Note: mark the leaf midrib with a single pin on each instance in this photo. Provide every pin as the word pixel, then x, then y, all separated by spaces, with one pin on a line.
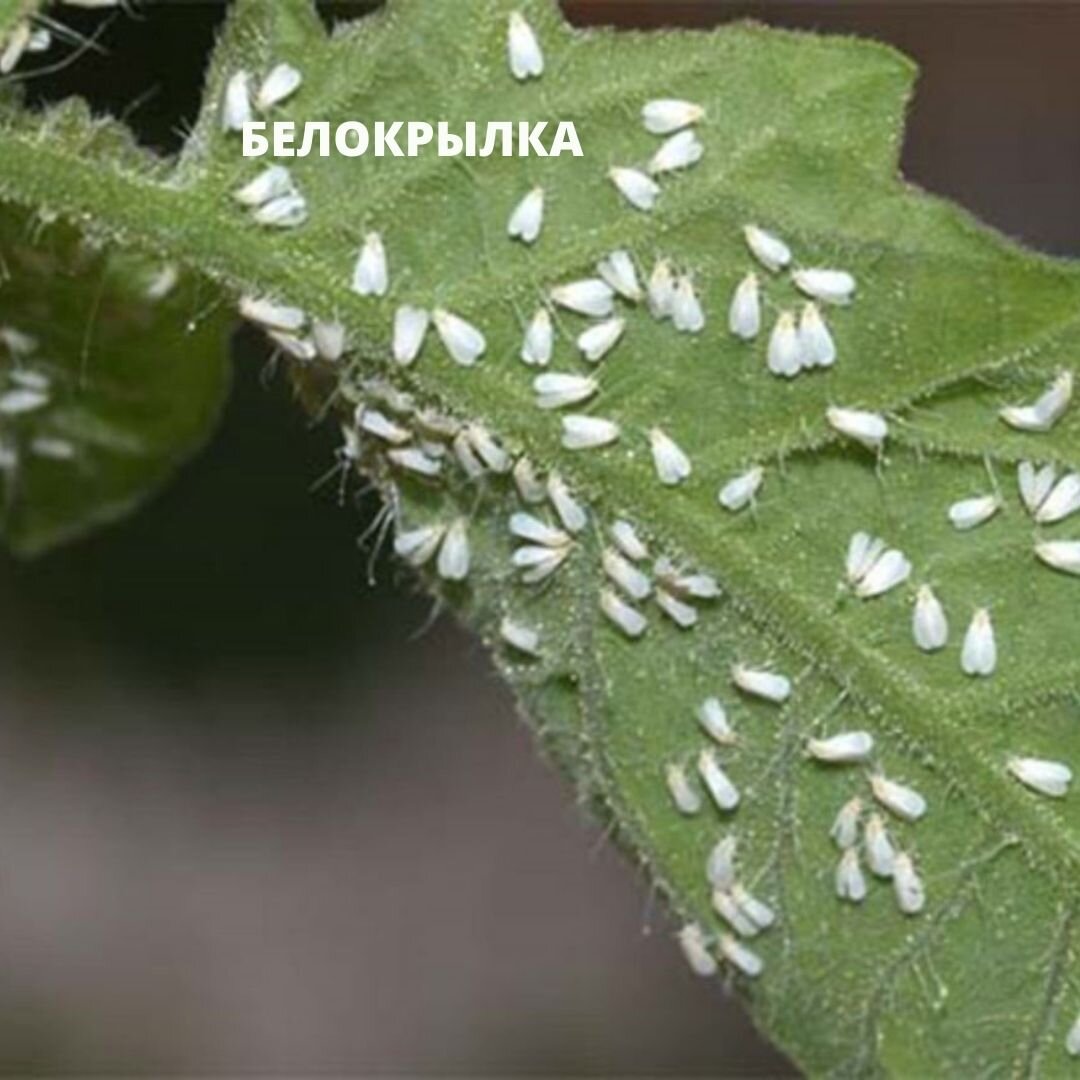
pixel 253 253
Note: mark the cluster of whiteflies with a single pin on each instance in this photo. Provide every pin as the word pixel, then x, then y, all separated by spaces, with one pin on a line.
pixel 795 345
pixel 873 569
pixel 743 914
pixel 759 683
pixel 274 200
pixel 289 329
pixel 421 442
pixel 242 100
pixel 617 279
pixel 27 390
pixel 870 841
pixel 799 343
pixel 675 120
pixel 387 431
pixel 550 525
pixel 675 591
pixel 418 442
pixel 741 911
pixel 272 197
pixel 1050 500
pixel 670 294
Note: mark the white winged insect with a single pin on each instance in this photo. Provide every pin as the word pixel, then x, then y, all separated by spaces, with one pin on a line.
pixel 528 217
pixel 524 54
pixel 872 568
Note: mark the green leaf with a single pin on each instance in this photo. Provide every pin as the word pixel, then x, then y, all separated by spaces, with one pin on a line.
pixel 130 386
pixel 950 323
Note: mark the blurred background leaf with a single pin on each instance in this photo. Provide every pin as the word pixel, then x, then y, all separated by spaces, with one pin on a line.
pixel 131 367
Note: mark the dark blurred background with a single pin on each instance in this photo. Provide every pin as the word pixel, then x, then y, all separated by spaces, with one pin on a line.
pixel 250 822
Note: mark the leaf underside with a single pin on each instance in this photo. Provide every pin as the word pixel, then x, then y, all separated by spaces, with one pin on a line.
pixel 950 323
